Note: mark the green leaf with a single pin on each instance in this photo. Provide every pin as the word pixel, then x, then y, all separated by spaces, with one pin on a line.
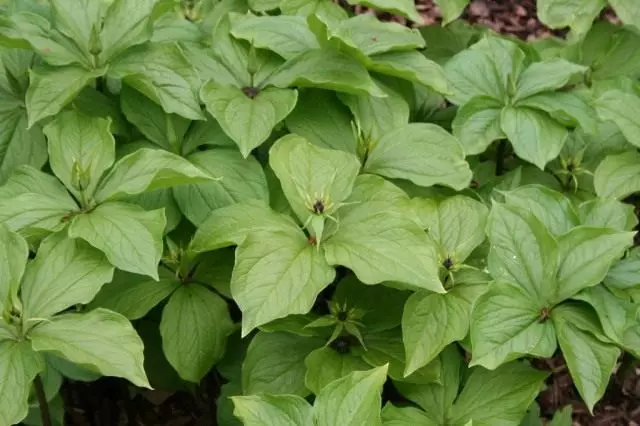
pixel 477 124
pixel 497 397
pixel 241 179
pixel 132 295
pixel 194 328
pixel 433 321
pixel 275 364
pixel 100 339
pixel 535 136
pixel 78 20
pixel 14 253
pixel 627 11
pixel 572 109
pixel 130 237
pixel 423 153
pixel 325 365
pixel 590 361
pixel 51 89
pixel 248 121
pixel 19 145
pixel 547 75
pixel 577 14
pixel 146 170
pixel 404 8
pixel 607 213
pixel 615 314
pixel 19 365
pixel 471 73
pixel 326 69
pixel 405 416
pixel 622 109
pixel 265 410
pixel 451 9
pixel 412 66
pixel 277 273
pixel 323 120
pixel 585 255
pixel 205 133
pixel 618 176
pixel 325 10
pixel 506 324
pixel 162 73
pixel 81 149
pixel 309 174
pixel 522 251
pixel 624 273
pixel 352 400
pixel 65 272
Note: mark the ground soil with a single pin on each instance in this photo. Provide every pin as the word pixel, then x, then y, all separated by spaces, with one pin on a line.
pixel 109 402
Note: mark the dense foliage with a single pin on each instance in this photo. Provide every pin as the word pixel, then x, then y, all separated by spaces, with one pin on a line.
pixel 316 207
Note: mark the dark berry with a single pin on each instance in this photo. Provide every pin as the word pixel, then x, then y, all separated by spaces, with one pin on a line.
pixel 251 92
pixel 448 263
pixel 318 207
pixel 341 345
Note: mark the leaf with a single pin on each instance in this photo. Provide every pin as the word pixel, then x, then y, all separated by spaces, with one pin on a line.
pixel 506 324
pixel 19 144
pixel 433 321
pixel 277 274
pixel 547 75
pixel 471 74
pixel 451 9
pixel 81 149
pixel 78 20
pixel 618 176
pixel 130 237
pixel 412 66
pixel 590 361
pixel 607 213
pixel 320 118
pixel 288 36
pixel 14 253
pixel 326 69
pixel 275 364
pixel 627 11
pixel 162 73
pixel 309 174
pixel 325 10
pixel 132 295
pixel 325 365
pixel 497 397
pixel 572 109
pixel 585 255
pixel 621 108
pixel 194 328
pixel 146 170
pixel 65 272
pixel 405 416
pixel 51 89
pixel 265 409
pixel 522 251
pixel 248 121
pixel 624 273
pixel 577 14
pixel 535 136
pixel 100 339
pixel 19 365
pixel 477 124
pixel 352 400
pixel 404 8
pixel 423 153
pixel 241 179
pixel 615 314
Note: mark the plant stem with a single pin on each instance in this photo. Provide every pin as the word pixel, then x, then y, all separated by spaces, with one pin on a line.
pixel 502 147
pixel 42 402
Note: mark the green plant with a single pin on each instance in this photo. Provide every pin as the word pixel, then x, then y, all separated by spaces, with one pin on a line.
pixel 351 221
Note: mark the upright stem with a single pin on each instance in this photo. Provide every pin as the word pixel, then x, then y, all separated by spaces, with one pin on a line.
pixel 502 147
pixel 42 402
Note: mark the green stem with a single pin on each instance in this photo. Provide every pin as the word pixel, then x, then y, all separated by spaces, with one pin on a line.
pixel 42 402
pixel 500 152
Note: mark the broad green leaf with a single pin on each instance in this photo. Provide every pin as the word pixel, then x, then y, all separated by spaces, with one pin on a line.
pixel 326 69
pixel 97 104
pixel 547 75
pixel 78 20
pixel 277 273
pixel 577 14
pixel 590 361
pixel 506 324
pixel 615 314
pixel 328 11
pixel 130 237
pixel 14 253
pixel 65 272
pixel 247 119
pixel 162 73
pixel 322 119
pixel 433 321
pixel 325 365
pixel 194 328
pixel 471 73
pixel 146 170
pixel 19 365
pixel 535 136
pixel 412 66
pixel 205 133
pixel 607 213
pixel 477 124
pixel 267 410
pixel 275 364
pixel 451 9
pixel 507 57
pixel 423 153
pixel 625 273
pixel 585 255
pixel 497 397
pixel 241 179
pixel 160 198
pixel 618 176
pixel 627 11
pixel 404 8
pixel 622 109
pixel 81 149
pixel 288 36
pixel 610 50
pixel 18 144
pixel 572 109
pixel 353 400
pixel 208 65
pixel 51 89
pixel 135 295
pixel 309 174
pixel 405 416
pixel 101 339
pixel 522 251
